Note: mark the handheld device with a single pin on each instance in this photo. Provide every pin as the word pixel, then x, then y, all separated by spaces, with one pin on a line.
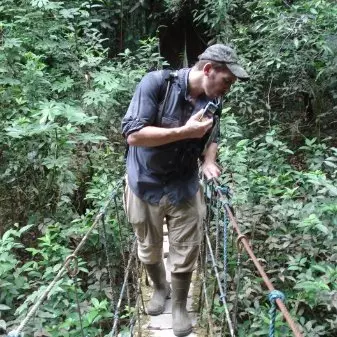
pixel 209 111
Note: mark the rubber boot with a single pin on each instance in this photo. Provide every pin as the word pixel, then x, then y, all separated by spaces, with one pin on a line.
pixel 181 323
pixel 161 288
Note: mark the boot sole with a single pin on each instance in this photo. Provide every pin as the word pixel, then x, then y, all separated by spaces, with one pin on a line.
pixel 159 312
pixel 155 313
pixel 182 333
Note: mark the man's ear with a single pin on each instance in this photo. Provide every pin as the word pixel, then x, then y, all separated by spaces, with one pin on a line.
pixel 207 68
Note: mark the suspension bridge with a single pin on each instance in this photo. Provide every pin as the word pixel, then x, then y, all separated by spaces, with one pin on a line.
pixel 209 289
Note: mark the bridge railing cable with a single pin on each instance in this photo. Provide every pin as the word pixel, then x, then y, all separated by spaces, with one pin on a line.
pixel 66 265
pixel 207 253
pixel 124 286
pixel 224 195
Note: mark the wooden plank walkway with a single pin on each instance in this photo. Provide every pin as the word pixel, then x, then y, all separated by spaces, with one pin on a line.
pixel 161 325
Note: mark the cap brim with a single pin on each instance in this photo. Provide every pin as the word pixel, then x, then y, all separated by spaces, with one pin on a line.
pixel 238 71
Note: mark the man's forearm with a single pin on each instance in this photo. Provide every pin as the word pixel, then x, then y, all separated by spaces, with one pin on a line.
pixel 155 136
pixel 211 152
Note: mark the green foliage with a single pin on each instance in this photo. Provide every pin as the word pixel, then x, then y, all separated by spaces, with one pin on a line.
pixel 61 154
pixel 62 95
pixel 12 279
pixel 23 283
pixel 62 104
pixel 290 217
pixel 215 16
pixel 279 153
pixel 289 49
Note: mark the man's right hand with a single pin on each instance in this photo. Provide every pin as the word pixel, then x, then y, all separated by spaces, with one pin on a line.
pixel 155 136
pixel 194 128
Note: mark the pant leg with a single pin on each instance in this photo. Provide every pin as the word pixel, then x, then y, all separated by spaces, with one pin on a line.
pixel 185 233
pixel 147 222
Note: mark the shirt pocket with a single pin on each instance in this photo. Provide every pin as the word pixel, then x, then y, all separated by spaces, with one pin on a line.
pixel 168 122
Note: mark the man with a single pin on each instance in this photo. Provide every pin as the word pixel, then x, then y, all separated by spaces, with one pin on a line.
pixel 162 170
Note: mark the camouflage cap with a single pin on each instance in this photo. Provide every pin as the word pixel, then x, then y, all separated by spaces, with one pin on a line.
pixel 225 54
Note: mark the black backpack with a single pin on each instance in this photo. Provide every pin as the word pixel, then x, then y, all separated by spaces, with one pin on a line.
pixel 165 89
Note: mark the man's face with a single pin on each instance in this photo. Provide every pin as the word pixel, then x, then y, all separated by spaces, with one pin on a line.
pixel 218 82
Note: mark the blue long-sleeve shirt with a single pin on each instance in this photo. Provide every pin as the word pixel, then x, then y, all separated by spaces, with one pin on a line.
pixel 169 169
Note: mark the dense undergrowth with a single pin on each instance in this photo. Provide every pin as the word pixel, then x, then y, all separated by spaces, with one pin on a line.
pixel 62 96
pixel 290 216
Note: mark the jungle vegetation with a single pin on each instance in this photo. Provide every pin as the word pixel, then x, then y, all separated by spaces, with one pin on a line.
pixel 67 73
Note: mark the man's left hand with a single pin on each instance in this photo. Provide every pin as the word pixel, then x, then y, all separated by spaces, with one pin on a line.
pixel 210 169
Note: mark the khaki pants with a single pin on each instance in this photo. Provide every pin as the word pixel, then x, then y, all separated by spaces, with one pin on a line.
pixel 184 223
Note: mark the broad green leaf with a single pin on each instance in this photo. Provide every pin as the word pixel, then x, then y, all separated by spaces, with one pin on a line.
pixel 4 307
pixel 95 302
pixel 296 42
pixel 90 137
pixel 39 3
pixel 329 163
pixel 25 228
pixel 3 325
pixel 322 228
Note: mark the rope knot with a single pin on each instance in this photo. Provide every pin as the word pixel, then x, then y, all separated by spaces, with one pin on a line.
pixel 274 295
pixel 223 298
pixel 224 190
pixel 72 270
pixel 225 196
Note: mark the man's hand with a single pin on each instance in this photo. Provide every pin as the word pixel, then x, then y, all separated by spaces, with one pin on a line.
pixel 210 169
pixel 194 128
pixel 155 136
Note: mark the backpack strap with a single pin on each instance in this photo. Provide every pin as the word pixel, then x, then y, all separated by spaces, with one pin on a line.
pixel 168 77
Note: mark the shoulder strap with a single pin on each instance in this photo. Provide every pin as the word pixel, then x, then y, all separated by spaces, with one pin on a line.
pixel 168 78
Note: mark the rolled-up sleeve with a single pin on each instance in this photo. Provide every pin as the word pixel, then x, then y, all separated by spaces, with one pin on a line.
pixel 144 105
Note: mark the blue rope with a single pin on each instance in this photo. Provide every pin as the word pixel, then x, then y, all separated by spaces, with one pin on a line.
pixel 225 225
pixel 273 296
pixel 225 191
pixel 226 195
